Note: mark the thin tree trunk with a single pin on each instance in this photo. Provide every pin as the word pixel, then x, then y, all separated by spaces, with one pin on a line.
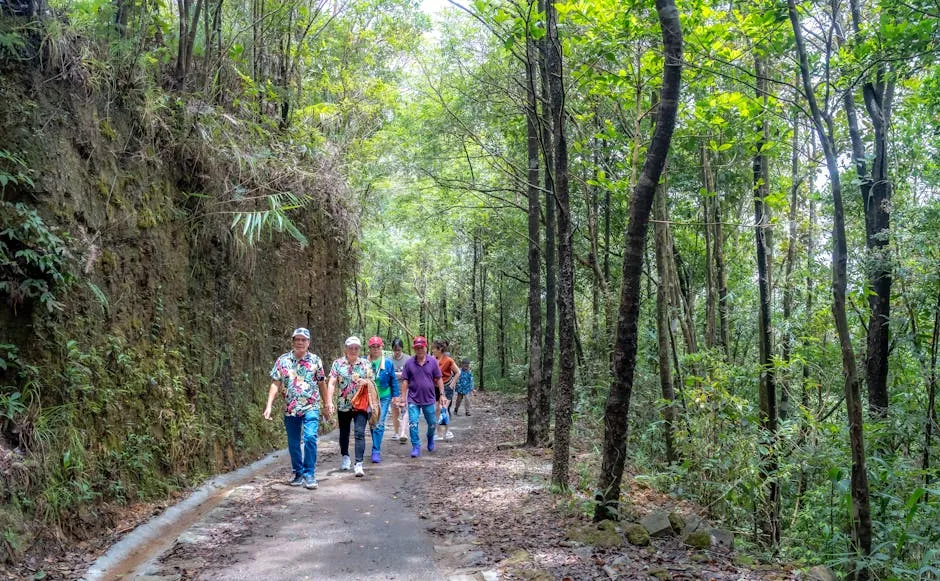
pixel 537 427
pixel 931 419
pixel 770 513
pixel 711 284
pixel 786 356
pixel 566 314
pixel 501 332
pixel 617 409
pixel 861 502
pixel 551 287
pixel 663 309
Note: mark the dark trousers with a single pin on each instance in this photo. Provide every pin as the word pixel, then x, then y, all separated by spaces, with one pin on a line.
pixel 359 420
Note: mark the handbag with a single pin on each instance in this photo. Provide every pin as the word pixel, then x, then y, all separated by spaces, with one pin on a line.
pixel 367 400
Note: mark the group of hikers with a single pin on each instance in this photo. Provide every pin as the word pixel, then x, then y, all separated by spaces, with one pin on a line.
pixel 423 384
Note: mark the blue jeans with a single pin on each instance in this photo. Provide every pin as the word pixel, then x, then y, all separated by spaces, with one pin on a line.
pixel 306 427
pixel 414 414
pixel 379 432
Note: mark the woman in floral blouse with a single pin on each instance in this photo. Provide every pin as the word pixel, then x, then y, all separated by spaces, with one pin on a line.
pixel 348 373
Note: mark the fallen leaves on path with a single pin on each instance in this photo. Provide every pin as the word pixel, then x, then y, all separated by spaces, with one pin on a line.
pixel 493 503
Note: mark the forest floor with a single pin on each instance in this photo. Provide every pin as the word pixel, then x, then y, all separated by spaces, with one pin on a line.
pixel 474 509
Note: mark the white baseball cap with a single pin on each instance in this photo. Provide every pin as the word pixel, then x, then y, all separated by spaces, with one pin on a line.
pixel 301 332
pixel 353 341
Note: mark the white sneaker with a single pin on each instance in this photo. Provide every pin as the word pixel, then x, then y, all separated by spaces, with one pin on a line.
pixel 449 435
pixel 358 471
pixel 346 462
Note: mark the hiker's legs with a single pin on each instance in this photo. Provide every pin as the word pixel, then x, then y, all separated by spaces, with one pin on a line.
pixel 396 421
pixel 413 415
pixel 360 419
pixel 379 431
pixel 293 426
pixel 311 422
pixel 431 418
pixel 344 418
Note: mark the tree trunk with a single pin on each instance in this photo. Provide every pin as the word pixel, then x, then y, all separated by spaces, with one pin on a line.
pixel 770 514
pixel 931 420
pixel 876 199
pixel 538 422
pixel 617 409
pixel 663 309
pixel 711 277
pixel 786 356
pixel 501 334
pixel 566 321
pixel 551 287
pixel 481 334
pixel 861 502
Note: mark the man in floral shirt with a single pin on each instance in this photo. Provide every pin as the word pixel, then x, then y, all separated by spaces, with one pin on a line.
pixel 298 374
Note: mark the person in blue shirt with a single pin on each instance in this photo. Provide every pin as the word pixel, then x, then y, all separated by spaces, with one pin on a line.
pixel 389 393
pixel 464 386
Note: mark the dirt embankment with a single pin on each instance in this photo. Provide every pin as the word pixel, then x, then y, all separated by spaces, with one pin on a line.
pixel 143 368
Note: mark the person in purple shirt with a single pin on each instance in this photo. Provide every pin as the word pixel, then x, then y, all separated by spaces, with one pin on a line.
pixel 419 378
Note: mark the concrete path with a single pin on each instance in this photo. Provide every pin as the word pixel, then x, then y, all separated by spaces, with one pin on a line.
pixel 366 528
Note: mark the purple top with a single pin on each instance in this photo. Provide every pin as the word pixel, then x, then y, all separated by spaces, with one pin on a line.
pixel 420 380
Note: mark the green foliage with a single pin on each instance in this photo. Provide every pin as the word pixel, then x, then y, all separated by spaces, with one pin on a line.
pixel 34 260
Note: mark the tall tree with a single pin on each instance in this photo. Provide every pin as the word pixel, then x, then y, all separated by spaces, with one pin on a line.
pixel 538 420
pixel 617 409
pixel 875 188
pixel 822 123
pixel 770 517
pixel 566 315
pixel 551 286
pixel 664 292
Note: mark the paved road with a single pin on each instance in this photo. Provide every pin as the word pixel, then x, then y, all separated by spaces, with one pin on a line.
pixel 349 528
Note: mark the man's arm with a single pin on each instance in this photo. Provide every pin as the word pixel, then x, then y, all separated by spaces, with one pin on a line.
pixel 327 401
pixel 440 386
pixel 396 391
pixel 272 393
pixel 404 391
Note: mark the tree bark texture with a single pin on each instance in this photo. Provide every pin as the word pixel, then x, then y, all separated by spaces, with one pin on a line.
pixel 566 320
pixel 537 426
pixel 617 408
pixel 663 317
pixel 551 286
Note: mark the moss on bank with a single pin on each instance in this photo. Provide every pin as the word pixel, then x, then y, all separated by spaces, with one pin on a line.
pixel 150 372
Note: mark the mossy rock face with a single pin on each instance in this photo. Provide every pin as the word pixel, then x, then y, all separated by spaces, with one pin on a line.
pixel 677 522
pixel 661 574
pixel 699 540
pixel 602 534
pixel 637 535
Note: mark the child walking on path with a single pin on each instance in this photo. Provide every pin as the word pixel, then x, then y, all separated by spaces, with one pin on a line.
pixel 464 386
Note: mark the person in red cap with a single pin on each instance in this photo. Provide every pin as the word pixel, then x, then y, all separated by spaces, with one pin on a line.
pixel 387 385
pixel 422 388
